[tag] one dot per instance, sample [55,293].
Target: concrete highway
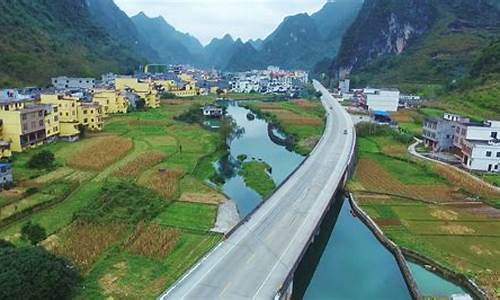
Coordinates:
[254,262]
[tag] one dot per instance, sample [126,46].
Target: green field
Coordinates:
[423,210]
[169,160]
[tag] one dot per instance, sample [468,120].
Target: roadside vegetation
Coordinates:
[425,208]
[129,207]
[303,120]
[256,175]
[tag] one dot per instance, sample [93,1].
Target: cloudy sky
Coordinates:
[206,19]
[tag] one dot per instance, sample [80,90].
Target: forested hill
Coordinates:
[44,38]
[417,41]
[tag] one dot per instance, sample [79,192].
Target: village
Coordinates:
[32,116]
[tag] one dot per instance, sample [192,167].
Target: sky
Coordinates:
[206,19]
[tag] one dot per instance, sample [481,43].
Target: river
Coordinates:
[346,261]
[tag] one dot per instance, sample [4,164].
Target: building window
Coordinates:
[498,154]
[85,120]
[41,122]
[24,117]
[85,112]
[494,135]
[488,153]
[40,113]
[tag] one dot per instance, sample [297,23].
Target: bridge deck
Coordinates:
[256,259]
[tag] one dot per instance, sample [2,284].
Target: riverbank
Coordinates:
[421,209]
[302,121]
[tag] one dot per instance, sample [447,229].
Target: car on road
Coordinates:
[345,131]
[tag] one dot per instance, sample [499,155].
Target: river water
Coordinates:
[346,261]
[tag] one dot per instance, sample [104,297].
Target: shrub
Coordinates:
[34,273]
[6,244]
[122,202]
[31,191]
[42,160]
[192,116]
[33,233]
[168,95]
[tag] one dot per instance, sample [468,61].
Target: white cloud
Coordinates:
[207,19]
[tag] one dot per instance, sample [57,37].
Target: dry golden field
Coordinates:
[100,152]
[140,164]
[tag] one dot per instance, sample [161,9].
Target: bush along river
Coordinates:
[346,261]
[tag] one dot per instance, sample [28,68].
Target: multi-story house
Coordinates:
[73,114]
[146,89]
[438,132]
[90,116]
[51,120]
[22,127]
[63,82]
[478,145]
[111,101]
[68,114]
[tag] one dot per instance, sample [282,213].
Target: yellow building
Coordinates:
[111,101]
[73,114]
[90,116]
[189,90]
[22,127]
[68,114]
[51,119]
[146,89]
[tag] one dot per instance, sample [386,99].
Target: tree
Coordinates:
[6,244]
[34,273]
[140,104]
[33,233]
[42,160]
[219,92]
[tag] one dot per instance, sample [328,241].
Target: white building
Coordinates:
[478,145]
[344,86]
[63,82]
[382,99]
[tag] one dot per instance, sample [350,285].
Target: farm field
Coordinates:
[429,210]
[128,206]
[302,119]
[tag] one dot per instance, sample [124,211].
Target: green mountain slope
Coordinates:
[412,42]
[109,16]
[42,38]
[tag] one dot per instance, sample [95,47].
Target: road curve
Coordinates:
[255,261]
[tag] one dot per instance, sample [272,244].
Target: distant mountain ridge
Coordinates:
[171,45]
[301,41]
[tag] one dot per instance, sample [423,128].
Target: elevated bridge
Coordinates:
[258,260]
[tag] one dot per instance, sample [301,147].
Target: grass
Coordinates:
[427,210]
[491,178]
[256,176]
[111,230]
[192,216]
